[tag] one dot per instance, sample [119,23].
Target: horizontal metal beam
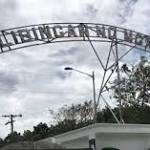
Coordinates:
[33,35]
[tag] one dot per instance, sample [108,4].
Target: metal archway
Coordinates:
[27,36]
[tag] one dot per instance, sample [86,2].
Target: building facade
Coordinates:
[101,136]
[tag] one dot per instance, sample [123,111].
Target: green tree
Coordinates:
[135,84]
[13,137]
[72,117]
[40,131]
[1,142]
[78,113]
[28,135]
[136,114]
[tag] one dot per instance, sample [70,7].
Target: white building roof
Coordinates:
[104,128]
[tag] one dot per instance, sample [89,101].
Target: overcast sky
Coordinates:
[33,80]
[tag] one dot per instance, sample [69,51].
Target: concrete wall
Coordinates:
[123,137]
[122,142]
[78,143]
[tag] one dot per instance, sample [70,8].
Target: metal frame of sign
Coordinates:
[26,36]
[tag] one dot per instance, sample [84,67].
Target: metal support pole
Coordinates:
[94,99]
[115,117]
[118,78]
[12,123]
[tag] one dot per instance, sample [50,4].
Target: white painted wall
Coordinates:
[123,137]
[122,142]
[78,143]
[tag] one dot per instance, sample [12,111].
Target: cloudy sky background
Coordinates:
[32,80]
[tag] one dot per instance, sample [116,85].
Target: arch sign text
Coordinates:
[15,38]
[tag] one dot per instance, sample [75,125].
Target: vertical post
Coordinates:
[12,124]
[92,141]
[94,98]
[118,77]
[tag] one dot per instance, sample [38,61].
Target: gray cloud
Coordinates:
[8,83]
[8,13]
[126,9]
[91,10]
